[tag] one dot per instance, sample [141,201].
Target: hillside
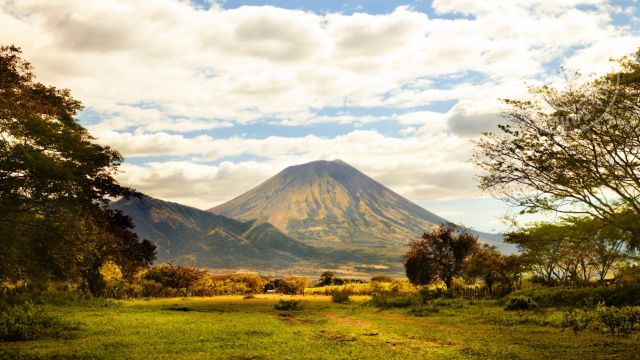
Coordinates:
[186,235]
[331,204]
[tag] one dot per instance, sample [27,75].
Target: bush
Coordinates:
[28,322]
[608,320]
[520,303]
[289,305]
[390,300]
[627,295]
[340,296]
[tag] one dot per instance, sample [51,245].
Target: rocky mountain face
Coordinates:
[186,235]
[330,204]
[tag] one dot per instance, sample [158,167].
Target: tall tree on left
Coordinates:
[55,186]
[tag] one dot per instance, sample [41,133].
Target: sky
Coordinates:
[207,99]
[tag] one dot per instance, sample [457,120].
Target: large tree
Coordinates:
[439,254]
[574,150]
[55,186]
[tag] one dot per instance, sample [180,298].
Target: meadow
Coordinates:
[250,328]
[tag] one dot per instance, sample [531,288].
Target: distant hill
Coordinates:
[186,235]
[330,204]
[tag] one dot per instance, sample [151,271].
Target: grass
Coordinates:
[233,327]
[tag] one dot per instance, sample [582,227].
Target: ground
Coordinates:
[233,327]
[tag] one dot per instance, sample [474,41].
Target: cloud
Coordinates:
[472,118]
[164,76]
[250,63]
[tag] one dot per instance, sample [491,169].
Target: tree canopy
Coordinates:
[439,254]
[55,186]
[574,150]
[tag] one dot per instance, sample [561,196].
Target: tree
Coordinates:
[439,254]
[292,285]
[572,250]
[484,265]
[55,186]
[573,151]
[181,278]
[326,278]
[493,268]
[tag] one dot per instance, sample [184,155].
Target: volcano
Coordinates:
[331,204]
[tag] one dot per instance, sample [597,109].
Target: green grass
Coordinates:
[233,327]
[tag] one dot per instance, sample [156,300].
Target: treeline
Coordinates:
[575,153]
[576,250]
[183,281]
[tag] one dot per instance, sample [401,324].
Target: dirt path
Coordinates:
[348,321]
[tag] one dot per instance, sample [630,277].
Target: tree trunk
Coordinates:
[447,282]
[94,280]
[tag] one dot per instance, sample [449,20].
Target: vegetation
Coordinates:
[64,250]
[608,320]
[289,305]
[439,255]
[55,186]
[573,250]
[572,151]
[230,327]
[29,322]
[520,302]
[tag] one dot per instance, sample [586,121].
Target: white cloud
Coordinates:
[156,70]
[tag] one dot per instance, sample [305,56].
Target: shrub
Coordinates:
[340,296]
[289,305]
[28,322]
[608,320]
[390,300]
[627,295]
[520,303]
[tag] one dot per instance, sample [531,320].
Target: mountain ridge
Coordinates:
[186,235]
[332,204]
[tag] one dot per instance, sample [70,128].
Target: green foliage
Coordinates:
[229,327]
[341,296]
[570,149]
[289,305]
[608,320]
[55,187]
[386,300]
[628,274]
[494,268]
[181,279]
[520,303]
[439,255]
[28,322]
[168,281]
[562,296]
[327,278]
[572,251]
[292,286]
